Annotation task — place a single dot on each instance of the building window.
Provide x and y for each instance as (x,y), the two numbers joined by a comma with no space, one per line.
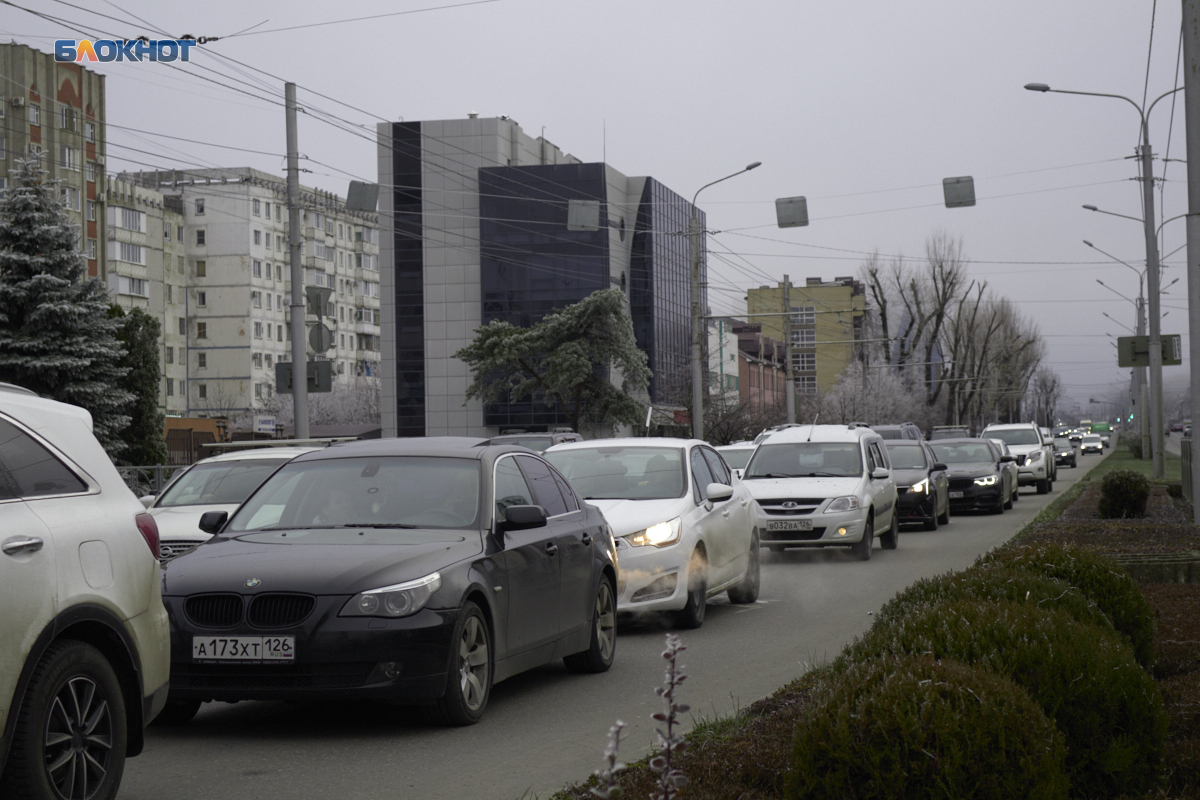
(804,362)
(267,358)
(266,209)
(170,299)
(125,251)
(256,268)
(35,115)
(170,388)
(278,213)
(89,131)
(202,360)
(267,240)
(257,208)
(258,237)
(138,287)
(279,302)
(202,391)
(257,359)
(201,330)
(804,338)
(279,333)
(278,272)
(200,237)
(179,233)
(69,197)
(806,384)
(268,301)
(179,263)
(199,206)
(89,170)
(258,391)
(258,330)
(170,355)
(68,158)
(202,299)
(182,326)
(339,230)
(66,118)
(127,218)
(804,315)
(201,269)
(92,249)
(256,299)
(167,232)
(91,211)
(341,313)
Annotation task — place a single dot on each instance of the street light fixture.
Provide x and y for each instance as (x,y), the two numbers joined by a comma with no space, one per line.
(697,312)
(1152,269)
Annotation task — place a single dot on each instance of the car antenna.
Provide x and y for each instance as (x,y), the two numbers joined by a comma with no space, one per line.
(812,428)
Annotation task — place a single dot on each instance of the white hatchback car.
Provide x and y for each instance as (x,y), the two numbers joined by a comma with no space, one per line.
(824,486)
(84,641)
(219,483)
(684,526)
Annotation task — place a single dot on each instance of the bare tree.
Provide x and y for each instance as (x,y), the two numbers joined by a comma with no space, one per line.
(1047,390)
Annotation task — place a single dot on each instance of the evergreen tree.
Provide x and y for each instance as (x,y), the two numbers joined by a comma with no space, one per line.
(139,333)
(56,337)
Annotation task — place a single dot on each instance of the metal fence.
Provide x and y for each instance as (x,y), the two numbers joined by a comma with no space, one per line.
(148,480)
(1185,453)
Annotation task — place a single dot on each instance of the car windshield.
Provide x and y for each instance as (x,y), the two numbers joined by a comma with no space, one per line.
(219,483)
(906,456)
(1063,443)
(1014,435)
(1092,437)
(963,453)
(628,473)
(953,433)
(538,443)
(806,460)
(366,492)
(737,459)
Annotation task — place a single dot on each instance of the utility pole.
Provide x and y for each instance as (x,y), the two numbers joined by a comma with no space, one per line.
(789,389)
(1191,107)
(1140,382)
(698,326)
(1152,290)
(298,307)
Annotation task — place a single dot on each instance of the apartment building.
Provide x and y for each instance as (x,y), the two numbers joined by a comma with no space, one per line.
(762,368)
(480,222)
(232,318)
(56,112)
(826,326)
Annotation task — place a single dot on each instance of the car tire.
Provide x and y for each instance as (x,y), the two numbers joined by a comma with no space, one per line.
(69,673)
(1043,487)
(891,539)
(862,548)
(177,712)
(692,614)
(944,518)
(603,646)
(469,682)
(1011,498)
(747,591)
(1016,493)
(931,524)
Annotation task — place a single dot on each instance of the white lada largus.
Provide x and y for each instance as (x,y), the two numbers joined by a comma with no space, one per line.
(824,486)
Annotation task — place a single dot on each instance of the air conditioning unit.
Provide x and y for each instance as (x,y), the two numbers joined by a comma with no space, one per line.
(18,102)
(100,160)
(101,197)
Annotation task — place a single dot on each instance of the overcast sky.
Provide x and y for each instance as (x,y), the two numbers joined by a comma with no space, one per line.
(861,107)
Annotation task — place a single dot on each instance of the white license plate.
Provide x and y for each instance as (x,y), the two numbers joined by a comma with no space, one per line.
(243,648)
(790,525)
(956,495)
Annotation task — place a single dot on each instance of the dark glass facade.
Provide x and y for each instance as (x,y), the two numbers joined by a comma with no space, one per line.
(659,290)
(408,246)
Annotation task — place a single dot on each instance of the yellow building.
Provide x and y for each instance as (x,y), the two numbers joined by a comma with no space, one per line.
(827,319)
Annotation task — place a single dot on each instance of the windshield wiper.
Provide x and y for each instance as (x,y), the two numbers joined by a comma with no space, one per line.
(821,475)
(379,525)
(292,528)
(770,475)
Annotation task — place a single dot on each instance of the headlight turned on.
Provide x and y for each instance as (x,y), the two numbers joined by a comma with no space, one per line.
(663,534)
(989,480)
(398,600)
(920,487)
(1036,455)
(848,503)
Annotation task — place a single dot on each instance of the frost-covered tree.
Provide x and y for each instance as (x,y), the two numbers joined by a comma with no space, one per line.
(139,334)
(56,337)
(565,359)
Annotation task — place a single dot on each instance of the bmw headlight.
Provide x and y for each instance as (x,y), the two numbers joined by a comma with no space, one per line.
(842,504)
(920,487)
(988,480)
(661,535)
(399,600)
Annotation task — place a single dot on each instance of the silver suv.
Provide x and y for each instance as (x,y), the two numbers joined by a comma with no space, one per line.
(824,486)
(84,643)
(1034,453)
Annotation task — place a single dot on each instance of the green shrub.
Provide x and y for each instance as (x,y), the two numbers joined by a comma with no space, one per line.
(1123,494)
(1134,442)
(1106,706)
(998,581)
(1175,490)
(916,727)
(1100,579)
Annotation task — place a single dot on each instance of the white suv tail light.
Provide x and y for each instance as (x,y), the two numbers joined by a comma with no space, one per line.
(149,530)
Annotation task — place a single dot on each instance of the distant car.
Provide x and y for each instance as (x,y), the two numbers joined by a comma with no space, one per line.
(1176,427)
(737,455)
(538,442)
(1064,452)
(685,530)
(949,432)
(1091,444)
(978,480)
(415,570)
(905,430)
(922,485)
(1075,435)
(84,636)
(220,483)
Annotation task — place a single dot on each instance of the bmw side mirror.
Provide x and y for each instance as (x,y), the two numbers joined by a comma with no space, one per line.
(940,467)
(1006,459)
(213,521)
(880,474)
(520,518)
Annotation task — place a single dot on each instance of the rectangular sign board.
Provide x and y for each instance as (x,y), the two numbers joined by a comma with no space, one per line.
(320,377)
(1134,351)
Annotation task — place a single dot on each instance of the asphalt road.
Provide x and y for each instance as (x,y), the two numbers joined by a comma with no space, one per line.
(547,728)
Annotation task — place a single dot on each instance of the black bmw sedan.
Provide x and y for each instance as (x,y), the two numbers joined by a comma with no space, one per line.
(922,486)
(413,570)
(978,480)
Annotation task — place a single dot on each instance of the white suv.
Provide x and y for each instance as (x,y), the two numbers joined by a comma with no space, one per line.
(84,642)
(1035,453)
(824,486)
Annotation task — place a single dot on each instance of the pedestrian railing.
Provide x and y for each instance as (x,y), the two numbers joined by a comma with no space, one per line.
(148,480)
(1185,453)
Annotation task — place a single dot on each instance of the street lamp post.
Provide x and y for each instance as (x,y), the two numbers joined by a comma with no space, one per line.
(698,312)
(1152,277)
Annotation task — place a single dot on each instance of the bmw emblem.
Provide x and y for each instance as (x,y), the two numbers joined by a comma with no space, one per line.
(250,584)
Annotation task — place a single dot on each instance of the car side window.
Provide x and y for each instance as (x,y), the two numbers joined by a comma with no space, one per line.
(870,460)
(27,469)
(701,476)
(880,458)
(545,490)
(511,489)
(717,466)
(565,488)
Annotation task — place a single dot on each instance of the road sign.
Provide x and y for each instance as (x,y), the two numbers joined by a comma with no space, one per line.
(959,191)
(264,424)
(791,212)
(1134,351)
(320,377)
(320,338)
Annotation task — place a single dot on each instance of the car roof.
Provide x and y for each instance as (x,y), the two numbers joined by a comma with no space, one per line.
(448,446)
(903,442)
(37,411)
(961,440)
(736,446)
(821,433)
(1012,425)
(258,453)
(641,441)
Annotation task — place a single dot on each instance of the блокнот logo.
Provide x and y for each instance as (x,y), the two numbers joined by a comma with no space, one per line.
(123,49)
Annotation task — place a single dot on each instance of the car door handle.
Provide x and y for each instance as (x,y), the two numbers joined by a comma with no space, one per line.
(21,544)
(587,539)
(551,549)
